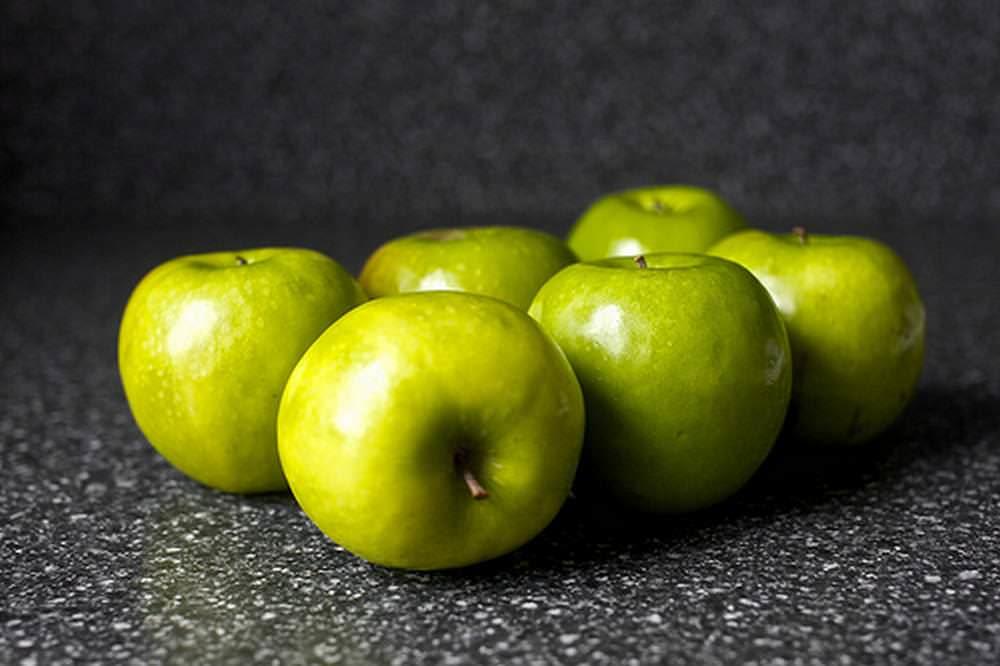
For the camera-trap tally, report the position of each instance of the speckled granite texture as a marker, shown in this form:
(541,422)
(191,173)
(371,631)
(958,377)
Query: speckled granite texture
(887,554)
(133,132)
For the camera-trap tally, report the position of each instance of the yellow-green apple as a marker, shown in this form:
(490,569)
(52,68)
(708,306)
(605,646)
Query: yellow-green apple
(685,369)
(509,263)
(856,325)
(431,430)
(205,347)
(666,218)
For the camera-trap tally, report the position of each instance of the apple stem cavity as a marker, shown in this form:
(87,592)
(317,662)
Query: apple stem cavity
(241,261)
(801,234)
(640,261)
(472,483)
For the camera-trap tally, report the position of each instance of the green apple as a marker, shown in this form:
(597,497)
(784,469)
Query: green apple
(206,345)
(668,218)
(431,430)
(856,324)
(509,263)
(686,372)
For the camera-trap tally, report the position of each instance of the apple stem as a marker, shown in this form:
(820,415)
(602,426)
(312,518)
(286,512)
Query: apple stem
(241,261)
(801,233)
(640,261)
(475,488)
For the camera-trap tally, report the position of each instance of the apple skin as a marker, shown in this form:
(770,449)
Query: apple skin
(378,411)
(509,263)
(856,325)
(685,369)
(667,218)
(206,345)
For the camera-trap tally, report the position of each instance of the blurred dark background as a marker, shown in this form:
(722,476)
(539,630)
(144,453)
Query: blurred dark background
(378,117)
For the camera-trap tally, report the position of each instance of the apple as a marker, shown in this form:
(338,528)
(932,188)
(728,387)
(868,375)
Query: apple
(431,430)
(685,369)
(667,218)
(856,325)
(509,263)
(206,344)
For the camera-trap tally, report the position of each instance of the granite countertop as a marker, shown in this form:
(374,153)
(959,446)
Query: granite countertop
(884,554)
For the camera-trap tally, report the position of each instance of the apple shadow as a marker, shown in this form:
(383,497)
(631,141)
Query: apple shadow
(938,424)
(939,421)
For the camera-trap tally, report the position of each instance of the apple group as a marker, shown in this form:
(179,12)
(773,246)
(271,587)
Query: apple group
(437,411)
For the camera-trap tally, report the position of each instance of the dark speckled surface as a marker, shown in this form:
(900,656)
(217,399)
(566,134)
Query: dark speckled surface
(134,132)
(885,554)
